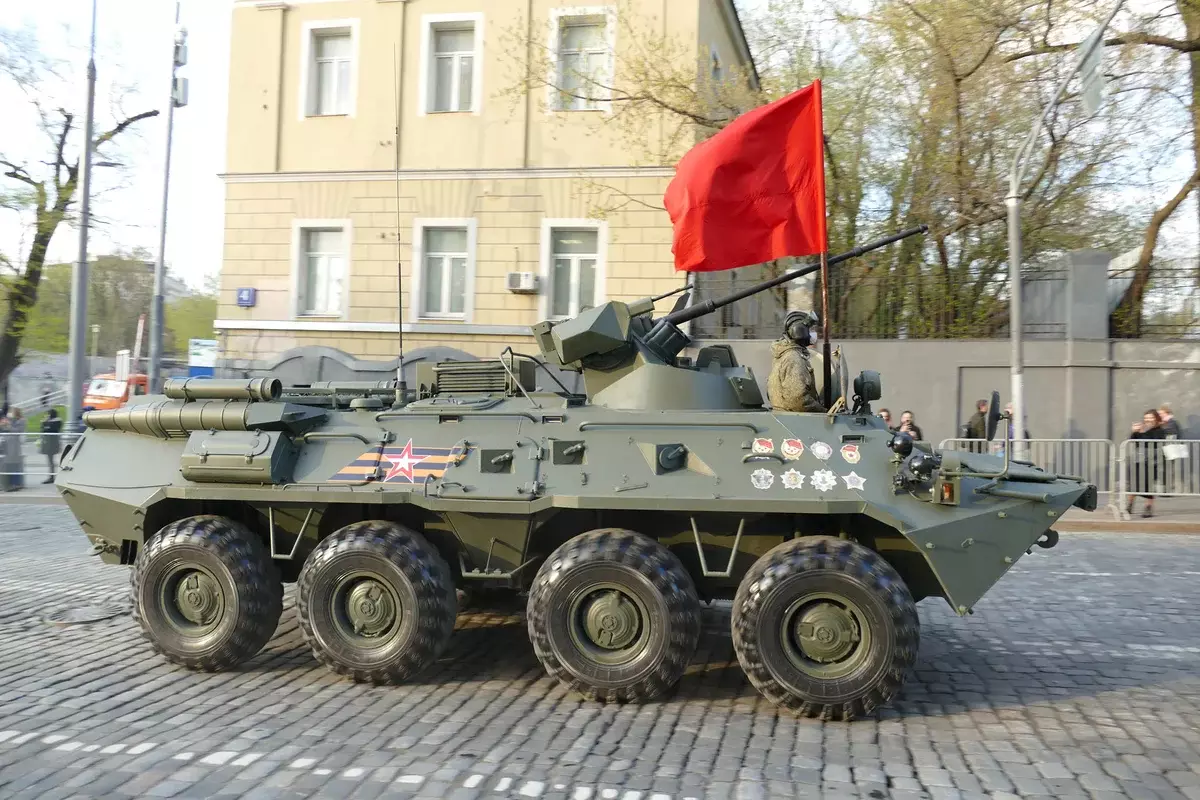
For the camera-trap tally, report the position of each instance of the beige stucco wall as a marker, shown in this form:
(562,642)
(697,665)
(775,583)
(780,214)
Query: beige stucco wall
(268,130)
(260,252)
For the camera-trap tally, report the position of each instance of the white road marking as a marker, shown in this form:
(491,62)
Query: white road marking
(247,759)
(632,795)
(472,782)
(144,747)
(353,772)
(302,763)
(503,785)
(411,780)
(6,735)
(180,756)
(660,797)
(23,738)
(582,793)
(54,739)
(218,758)
(322,772)
(532,789)
(116,748)
(70,747)
(91,748)
(608,794)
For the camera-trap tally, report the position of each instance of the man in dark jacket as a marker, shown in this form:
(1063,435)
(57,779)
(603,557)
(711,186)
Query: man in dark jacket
(977,426)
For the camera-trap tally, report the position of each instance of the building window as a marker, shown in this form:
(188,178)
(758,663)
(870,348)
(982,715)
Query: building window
(444,272)
(451,47)
(574,256)
(330,69)
(322,271)
(584,63)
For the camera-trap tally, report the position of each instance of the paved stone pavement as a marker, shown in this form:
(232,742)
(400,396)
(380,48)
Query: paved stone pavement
(1078,676)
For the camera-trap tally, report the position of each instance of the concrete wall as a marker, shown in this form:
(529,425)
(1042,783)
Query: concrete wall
(940,380)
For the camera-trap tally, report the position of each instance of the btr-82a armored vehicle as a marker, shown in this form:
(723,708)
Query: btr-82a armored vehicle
(667,481)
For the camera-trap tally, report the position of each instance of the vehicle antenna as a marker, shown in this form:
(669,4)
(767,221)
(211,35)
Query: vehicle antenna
(401,389)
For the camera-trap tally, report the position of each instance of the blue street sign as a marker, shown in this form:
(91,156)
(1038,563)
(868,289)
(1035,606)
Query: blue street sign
(246,296)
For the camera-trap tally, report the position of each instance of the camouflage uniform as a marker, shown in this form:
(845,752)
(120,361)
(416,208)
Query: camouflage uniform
(792,386)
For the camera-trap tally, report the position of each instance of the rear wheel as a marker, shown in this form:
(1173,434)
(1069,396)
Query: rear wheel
(205,593)
(825,627)
(614,615)
(376,602)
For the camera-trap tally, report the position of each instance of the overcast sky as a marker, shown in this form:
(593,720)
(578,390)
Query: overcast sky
(134,52)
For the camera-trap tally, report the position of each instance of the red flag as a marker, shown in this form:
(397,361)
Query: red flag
(755,191)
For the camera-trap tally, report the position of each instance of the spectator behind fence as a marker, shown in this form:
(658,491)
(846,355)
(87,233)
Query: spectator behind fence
(909,426)
(51,440)
(1144,467)
(886,416)
(14,461)
(1170,425)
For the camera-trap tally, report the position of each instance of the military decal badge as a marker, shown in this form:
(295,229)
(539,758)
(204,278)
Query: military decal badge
(762,479)
(763,446)
(823,480)
(822,450)
(398,464)
(850,453)
(792,479)
(791,449)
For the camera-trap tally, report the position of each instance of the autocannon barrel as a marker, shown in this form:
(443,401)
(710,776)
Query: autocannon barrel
(709,306)
(209,389)
(165,418)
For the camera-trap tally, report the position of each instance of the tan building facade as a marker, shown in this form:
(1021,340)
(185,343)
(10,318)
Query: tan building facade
(485,197)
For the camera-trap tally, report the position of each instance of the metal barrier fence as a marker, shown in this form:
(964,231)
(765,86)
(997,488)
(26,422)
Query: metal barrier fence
(30,455)
(1094,460)
(1158,468)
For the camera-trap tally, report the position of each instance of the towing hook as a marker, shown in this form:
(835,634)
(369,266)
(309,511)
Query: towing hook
(1048,539)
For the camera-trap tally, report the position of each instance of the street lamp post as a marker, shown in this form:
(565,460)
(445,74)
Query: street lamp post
(1013,202)
(178,99)
(79,281)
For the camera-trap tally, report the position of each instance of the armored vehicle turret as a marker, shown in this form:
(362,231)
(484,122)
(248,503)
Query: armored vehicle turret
(617,510)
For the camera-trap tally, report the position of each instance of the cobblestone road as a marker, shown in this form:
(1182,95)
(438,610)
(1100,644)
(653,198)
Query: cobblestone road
(1079,676)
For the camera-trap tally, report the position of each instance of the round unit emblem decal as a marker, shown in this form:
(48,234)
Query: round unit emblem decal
(850,453)
(791,449)
(763,446)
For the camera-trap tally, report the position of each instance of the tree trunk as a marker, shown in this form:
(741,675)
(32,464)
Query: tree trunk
(23,295)
(1189,10)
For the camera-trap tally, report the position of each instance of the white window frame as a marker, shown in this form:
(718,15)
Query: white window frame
(299,226)
(558,18)
(309,32)
(549,225)
(416,292)
(429,22)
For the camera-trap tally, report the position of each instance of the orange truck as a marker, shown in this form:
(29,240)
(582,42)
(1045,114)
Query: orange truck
(106,391)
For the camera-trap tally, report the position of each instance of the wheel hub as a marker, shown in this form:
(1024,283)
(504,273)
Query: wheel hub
(826,632)
(611,620)
(370,609)
(198,598)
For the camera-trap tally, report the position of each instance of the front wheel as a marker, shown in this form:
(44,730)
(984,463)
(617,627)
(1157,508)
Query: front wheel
(825,627)
(614,615)
(206,593)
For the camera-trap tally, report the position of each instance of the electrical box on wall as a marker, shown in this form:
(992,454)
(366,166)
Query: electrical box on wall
(522,282)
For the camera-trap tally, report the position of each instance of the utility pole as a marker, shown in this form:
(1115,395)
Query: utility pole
(179,91)
(79,279)
(1089,64)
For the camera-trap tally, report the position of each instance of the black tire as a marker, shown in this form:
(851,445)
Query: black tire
(376,602)
(654,597)
(206,593)
(865,597)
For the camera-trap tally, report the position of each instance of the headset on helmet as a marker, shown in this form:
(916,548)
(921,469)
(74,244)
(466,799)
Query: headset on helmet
(801,326)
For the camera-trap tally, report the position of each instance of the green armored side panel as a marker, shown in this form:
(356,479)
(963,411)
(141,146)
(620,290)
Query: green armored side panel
(238,457)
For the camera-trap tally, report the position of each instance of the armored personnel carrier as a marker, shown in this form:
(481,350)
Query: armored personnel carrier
(618,510)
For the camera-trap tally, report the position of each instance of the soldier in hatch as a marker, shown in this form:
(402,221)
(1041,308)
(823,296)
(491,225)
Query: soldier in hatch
(792,385)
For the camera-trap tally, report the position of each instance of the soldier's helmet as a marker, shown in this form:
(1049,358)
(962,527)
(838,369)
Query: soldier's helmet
(801,327)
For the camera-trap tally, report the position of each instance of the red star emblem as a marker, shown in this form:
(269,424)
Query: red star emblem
(402,464)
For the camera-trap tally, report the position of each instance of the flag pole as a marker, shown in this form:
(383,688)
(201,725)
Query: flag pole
(828,357)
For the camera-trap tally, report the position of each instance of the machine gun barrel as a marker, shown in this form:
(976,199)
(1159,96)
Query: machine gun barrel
(709,306)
